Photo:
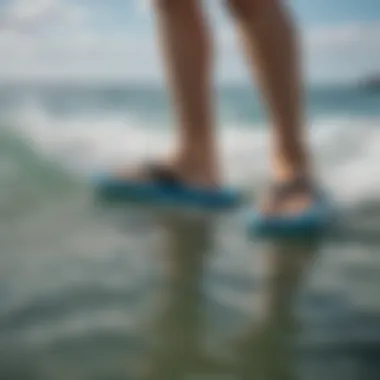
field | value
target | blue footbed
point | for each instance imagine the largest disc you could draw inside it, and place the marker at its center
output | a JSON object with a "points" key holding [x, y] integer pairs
{"points": [[163, 191], [313, 220]]}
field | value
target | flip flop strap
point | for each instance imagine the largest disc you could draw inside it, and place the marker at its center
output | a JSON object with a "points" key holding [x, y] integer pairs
{"points": [[162, 174], [281, 191]]}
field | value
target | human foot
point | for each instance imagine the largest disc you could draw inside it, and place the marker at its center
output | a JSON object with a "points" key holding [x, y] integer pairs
{"points": [[165, 184], [186, 170], [289, 197]]}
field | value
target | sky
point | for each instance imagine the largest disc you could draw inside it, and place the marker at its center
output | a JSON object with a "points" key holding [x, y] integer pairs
{"points": [[115, 40]]}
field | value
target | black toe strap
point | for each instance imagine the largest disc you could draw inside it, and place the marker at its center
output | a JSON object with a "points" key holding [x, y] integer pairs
{"points": [[298, 185], [162, 174]]}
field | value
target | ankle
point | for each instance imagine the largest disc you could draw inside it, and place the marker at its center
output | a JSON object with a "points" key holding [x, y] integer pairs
{"points": [[198, 155], [291, 162], [287, 171], [197, 166]]}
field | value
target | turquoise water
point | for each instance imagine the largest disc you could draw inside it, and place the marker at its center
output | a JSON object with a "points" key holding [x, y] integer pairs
{"points": [[235, 104], [93, 293]]}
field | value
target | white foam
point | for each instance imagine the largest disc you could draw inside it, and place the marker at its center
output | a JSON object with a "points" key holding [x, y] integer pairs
{"points": [[346, 150]]}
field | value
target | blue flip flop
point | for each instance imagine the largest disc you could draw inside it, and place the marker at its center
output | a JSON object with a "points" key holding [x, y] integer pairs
{"points": [[310, 222], [163, 187]]}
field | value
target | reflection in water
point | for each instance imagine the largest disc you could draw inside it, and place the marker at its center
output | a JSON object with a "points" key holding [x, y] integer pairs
{"points": [[266, 352], [262, 352], [81, 307], [180, 324]]}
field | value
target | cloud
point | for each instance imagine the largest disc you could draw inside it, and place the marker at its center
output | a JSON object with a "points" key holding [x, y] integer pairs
{"points": [[347, 51], [85, 56], [29, 15], [25, 10], [355, 35], [53, 39], [143, 5], [333, 53]]}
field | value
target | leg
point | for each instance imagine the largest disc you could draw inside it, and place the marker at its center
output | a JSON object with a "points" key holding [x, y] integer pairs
{"points": [[191, 174], [270, 40], [187, 53]]}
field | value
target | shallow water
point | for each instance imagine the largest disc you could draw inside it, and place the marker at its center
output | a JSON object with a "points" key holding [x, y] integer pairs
{"points": [[88, 292], [95, 293]]}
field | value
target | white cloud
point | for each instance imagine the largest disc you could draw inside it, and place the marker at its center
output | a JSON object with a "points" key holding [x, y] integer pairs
{"points": [[83, 56], [351, 36], [352, 50], [143, 5], [342, 52], [29, 15], [69, 48], [31, 9]]}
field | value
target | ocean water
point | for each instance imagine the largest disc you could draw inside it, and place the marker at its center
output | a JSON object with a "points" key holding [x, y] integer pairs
{"points": [[92, 293]]}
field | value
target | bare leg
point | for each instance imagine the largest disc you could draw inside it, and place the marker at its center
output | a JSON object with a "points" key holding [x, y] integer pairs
{"points": [[187, 52], [270, 42]]}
